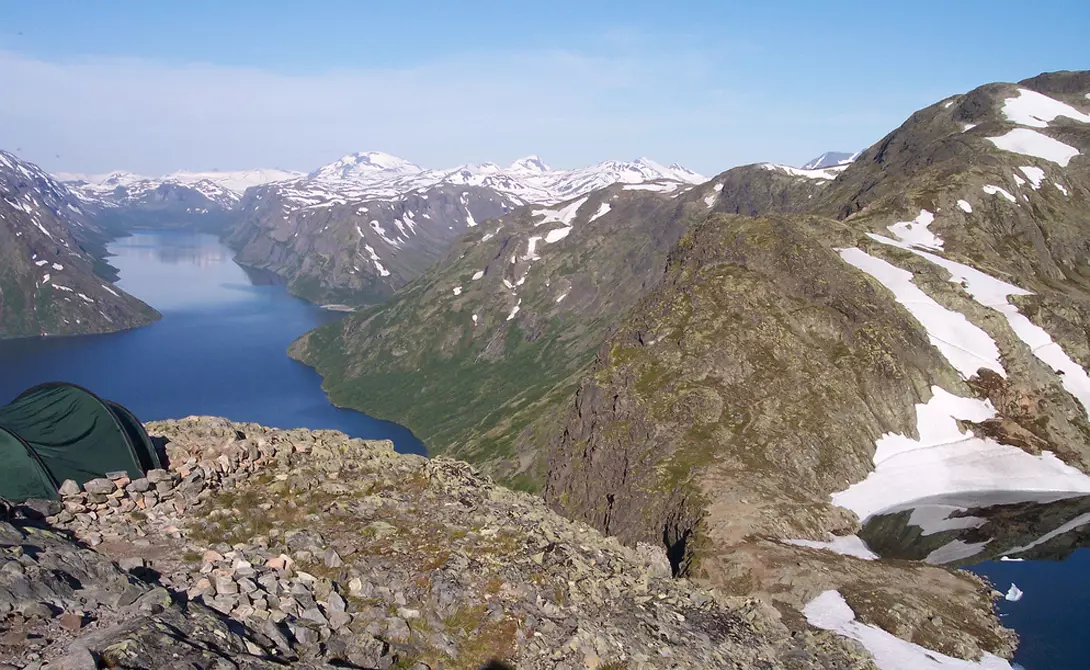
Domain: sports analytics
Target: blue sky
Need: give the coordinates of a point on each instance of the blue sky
(154, 87)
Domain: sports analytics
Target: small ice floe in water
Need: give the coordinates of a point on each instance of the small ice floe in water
(1014, 594)
(1008, 559)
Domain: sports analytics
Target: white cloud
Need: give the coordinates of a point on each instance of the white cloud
(98, 114)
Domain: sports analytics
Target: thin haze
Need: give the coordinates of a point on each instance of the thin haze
(158, 87)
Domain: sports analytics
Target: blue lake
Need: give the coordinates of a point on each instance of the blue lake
(1038, 543)
(220, 348)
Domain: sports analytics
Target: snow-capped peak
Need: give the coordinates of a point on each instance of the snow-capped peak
(529, 165)
(365, 165)
(831, 159)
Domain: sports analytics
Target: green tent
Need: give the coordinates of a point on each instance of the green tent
(59, 431)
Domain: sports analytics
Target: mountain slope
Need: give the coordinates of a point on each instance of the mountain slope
(910, 325)
(791, 376)
(52, 278)
(361, 227)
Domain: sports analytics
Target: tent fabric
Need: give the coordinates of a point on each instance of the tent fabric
(60, 431)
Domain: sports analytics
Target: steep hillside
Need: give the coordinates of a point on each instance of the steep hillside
(356, 252)
(475, 355)
(361, 227)
(52, 278)
(907, 326)
(790, 377)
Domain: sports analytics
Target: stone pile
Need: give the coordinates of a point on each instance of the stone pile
(319, 549)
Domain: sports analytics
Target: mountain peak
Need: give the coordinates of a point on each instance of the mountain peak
(365, 163)
(830, 159)
(530, 164)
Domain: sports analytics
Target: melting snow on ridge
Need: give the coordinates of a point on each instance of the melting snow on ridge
(945, 461)
(383, 272)
(915, 232)
(993, 293)
(965, 206)
(848, 545)
(827, 173)
(1034, 109)
(1032, 143)
(966, 346)
(1035, 175)
(992, 190)
(829, 611)
(603, 209)
(557, 234)
(563, 215)
(1060, 187)
(709, 199)
(514, 310)
(531, 246)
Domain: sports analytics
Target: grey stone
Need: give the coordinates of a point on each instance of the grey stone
(139, 485)
(69, 488)
(397, 629)
(100, 486)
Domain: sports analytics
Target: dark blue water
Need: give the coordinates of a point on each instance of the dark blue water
(1049, 542)
(1053, 616)
(220, 348)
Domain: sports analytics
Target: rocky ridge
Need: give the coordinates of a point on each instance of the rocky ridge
(262, 546)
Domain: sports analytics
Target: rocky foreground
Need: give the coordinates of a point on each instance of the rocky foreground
(261, 548)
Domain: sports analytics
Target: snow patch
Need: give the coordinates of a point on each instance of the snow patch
(848, 545)
(457, 290)
(478, 274)
(993, 293)
(1032, 143)
(965, 206)
(531, 246)
(603, 209)
(111, 290)
(563, 215)
(915, 232)
(58, 267)
(966, 127)
(514, 310)
(557, 234)
(376, 260)
(991, 189)
(1060, 186)
(946, 461)
(828, 174)
(1035, 175)
(1034, 109)
(967, 347)
(829, 611)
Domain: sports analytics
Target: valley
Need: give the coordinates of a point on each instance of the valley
(821, 388)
